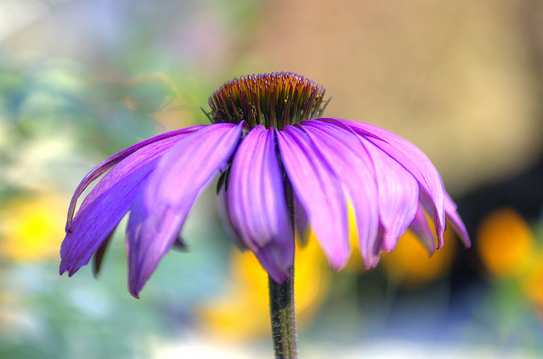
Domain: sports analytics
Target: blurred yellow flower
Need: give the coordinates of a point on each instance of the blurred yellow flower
(508, 248)
(31, 228)
(532, 284)
(505, 243)
(411, 265)
(242, 312)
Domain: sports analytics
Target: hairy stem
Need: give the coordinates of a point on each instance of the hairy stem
(283, 319)
(282, 316)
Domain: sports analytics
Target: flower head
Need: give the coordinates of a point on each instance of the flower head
(273, 100)
(275, 153)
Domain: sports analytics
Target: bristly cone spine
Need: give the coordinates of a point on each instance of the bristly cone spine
(273, 100)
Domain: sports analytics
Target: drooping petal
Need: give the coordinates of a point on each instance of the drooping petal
(272, 257)
(301, 222)
(421, 228)
(105, 165)
(455, 220)
(107, 203)
(169, 193)
(319, 191)
(189, 165)
(257, 205)
(414, 160)
(147, 243)
(398, 192)
(351, 163)
(398, 195)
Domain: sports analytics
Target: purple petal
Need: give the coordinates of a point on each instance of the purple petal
(257, 205)
(301, 221)
(397, 188)
(319, 191)
(107, 204)
(274, 259)
(146, 243)
(112, 161)
(352, 165)
(169, 194)
(455, 221)
(421, 228)
(189, 165)
(414, 160)
(398, 196)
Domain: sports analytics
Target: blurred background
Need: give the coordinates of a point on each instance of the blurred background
(462, 80)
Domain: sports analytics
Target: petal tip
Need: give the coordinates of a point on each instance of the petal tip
(279, 276)
(337, 264)
(135, 287)
(370, 263)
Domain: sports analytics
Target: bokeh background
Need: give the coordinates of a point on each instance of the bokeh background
(463, 80)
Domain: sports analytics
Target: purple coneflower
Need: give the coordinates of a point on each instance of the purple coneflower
(275, 154)
(280, 163)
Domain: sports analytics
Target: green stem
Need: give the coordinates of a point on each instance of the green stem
(283, 318)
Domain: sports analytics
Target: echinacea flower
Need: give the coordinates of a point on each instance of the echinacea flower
(275, 154)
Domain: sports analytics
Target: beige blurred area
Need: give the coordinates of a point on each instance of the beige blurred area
(458, 78)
